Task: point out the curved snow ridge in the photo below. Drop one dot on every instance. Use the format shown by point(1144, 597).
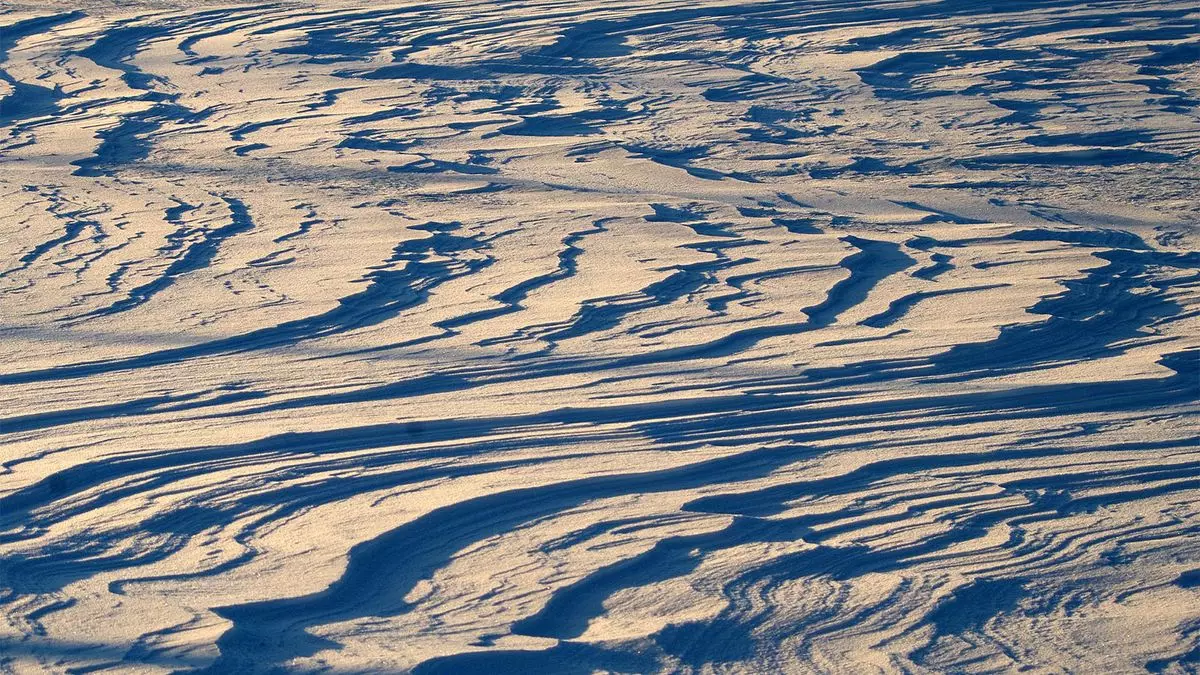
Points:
point(783, 336)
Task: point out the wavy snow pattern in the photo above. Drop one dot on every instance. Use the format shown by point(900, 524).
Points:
point(824, 336)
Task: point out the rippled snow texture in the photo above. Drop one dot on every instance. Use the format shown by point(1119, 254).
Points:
point(655, 336)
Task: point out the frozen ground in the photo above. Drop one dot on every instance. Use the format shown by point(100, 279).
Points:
point(454, 337)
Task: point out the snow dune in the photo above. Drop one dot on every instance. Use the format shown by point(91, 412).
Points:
point(569, 337)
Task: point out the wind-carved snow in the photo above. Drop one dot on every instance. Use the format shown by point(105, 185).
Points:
point(823, 336)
